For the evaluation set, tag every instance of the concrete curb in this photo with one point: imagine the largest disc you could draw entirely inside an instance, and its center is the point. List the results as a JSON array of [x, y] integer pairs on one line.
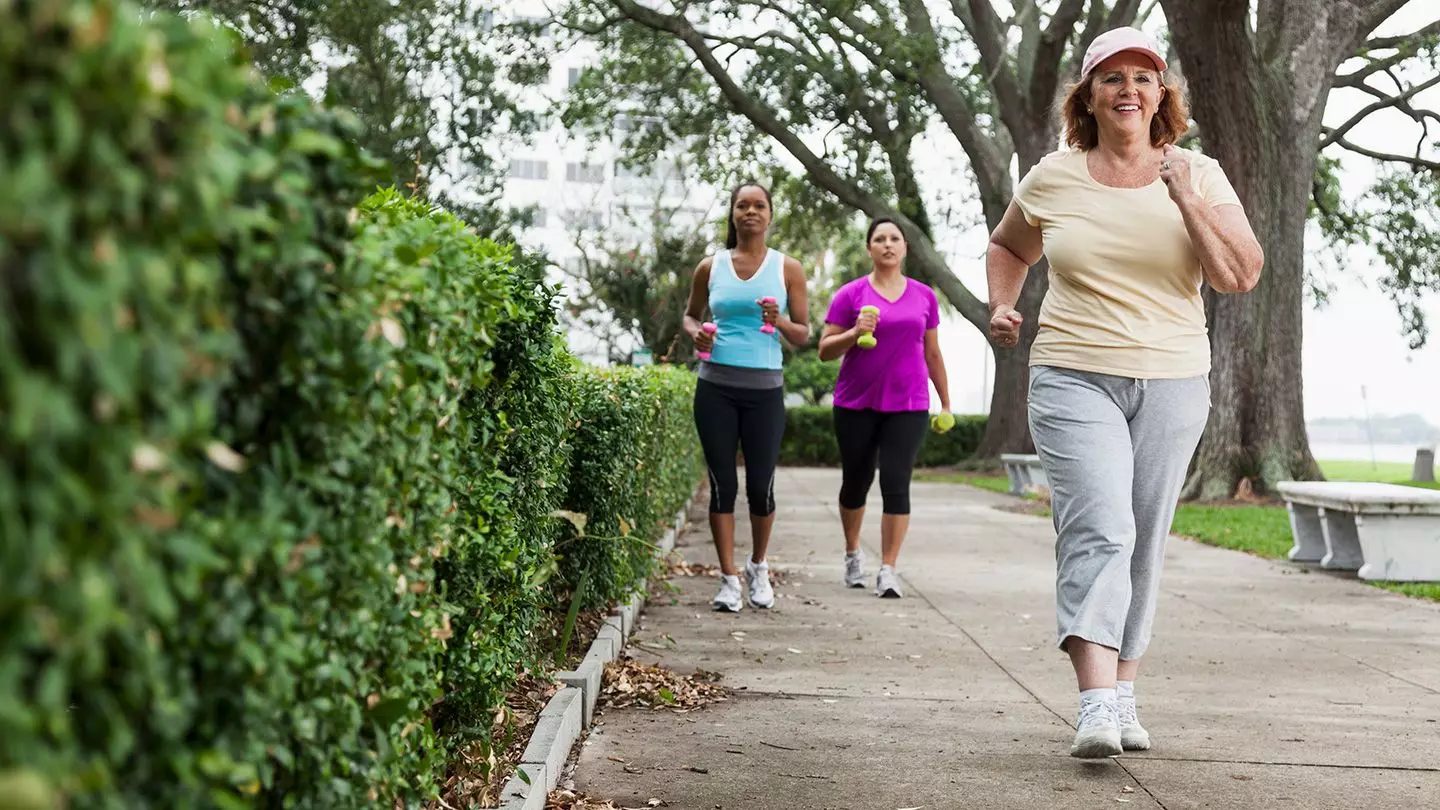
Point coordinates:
[[572, 709]]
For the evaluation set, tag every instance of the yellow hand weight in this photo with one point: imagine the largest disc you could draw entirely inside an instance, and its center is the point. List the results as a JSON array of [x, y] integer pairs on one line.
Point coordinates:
[[942, 422], [867, 340]]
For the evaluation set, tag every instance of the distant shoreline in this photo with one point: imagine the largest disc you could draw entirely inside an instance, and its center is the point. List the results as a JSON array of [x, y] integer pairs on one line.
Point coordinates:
[[1361, 451]]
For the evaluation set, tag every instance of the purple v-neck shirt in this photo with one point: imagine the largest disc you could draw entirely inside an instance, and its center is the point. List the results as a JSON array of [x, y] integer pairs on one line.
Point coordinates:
[[892, 376]]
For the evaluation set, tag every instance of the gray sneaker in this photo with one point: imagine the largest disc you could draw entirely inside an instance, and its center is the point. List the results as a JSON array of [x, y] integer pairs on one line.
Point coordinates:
[[728, 599], [855, 569], [887, 583], [1133, 736], [1097, 731]]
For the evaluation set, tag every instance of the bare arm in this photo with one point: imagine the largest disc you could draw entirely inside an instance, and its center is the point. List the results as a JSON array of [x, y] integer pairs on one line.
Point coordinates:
[[699, 299], [835, 341], [935, 362], [1230, 255], [796, 326], [1014, 247]]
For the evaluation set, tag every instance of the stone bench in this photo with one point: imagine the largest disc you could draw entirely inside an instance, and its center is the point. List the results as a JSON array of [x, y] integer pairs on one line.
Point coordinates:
[[1381, 531], [1025, 473]]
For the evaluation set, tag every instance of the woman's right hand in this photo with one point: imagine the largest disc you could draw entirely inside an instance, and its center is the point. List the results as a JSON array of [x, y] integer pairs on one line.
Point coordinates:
[[704, 341], [1005, 327], [866, 322]]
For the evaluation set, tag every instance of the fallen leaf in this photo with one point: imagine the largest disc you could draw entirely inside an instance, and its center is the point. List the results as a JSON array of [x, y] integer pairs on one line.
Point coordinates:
[[146, 458], [393, 332], [223, 457]]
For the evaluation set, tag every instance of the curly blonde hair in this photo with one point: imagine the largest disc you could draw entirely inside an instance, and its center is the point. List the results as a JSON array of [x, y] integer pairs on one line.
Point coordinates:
[[1171, 120]]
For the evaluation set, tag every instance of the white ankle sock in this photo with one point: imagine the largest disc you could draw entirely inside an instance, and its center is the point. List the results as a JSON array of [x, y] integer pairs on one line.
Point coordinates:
[[1092, 695], [1125, 690], [855, 553]]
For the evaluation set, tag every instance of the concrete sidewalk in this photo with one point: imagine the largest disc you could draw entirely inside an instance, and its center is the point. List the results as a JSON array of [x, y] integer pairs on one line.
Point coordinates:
[[1264, 687]]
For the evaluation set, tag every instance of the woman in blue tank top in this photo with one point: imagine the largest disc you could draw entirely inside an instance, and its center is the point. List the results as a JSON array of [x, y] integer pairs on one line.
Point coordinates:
[[755, 295]]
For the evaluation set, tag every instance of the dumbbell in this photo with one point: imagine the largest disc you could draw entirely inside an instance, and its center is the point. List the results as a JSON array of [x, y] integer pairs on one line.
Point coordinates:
[[710, 329], [767, 328], [867, 340], [942, 422]]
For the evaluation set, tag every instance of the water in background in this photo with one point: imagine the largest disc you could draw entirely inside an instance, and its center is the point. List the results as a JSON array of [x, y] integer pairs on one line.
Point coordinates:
[[1335, 451]]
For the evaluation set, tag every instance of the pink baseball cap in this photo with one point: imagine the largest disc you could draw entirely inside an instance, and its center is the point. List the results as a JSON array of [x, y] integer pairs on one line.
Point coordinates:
[[1119, 40]]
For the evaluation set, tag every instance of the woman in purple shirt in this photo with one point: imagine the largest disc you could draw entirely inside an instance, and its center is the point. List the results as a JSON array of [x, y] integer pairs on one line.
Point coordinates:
[[882, 397]]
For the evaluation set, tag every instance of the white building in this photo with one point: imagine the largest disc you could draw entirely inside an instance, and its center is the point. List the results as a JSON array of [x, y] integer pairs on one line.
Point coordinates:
[[583, 199]]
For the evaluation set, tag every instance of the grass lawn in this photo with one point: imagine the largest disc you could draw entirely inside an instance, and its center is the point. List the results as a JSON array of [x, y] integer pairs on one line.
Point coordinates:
[[1387, 472], [1260, 529], [994, 483]]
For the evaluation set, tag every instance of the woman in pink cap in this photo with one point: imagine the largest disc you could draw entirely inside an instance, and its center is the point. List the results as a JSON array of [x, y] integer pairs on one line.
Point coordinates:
[[1119, 395]]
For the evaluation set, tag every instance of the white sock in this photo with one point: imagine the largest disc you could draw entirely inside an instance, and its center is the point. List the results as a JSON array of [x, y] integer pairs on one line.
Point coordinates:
[[1093, 695], [1125, 690], [850, 554]]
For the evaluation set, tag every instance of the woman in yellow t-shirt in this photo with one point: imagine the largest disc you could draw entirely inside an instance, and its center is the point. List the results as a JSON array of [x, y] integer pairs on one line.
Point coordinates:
[[1132, 226]]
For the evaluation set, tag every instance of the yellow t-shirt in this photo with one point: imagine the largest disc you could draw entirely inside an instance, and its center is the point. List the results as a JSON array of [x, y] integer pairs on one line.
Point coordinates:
[[1125, 279]]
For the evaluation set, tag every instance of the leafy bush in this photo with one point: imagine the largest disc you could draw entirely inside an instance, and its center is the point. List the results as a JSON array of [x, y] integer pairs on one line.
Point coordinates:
[[277, 464], [810, 440], [810, 377], [636, 462]]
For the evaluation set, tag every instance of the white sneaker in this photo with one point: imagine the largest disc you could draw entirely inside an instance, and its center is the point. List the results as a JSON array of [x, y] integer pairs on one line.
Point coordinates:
[[757, 577], [1133, 736], [1097, 731], [728, 599], [887, 583], [855, 569]]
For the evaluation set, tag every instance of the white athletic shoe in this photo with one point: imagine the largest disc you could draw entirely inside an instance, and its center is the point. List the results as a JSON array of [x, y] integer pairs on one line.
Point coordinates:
[[1097, 731], [728, 599], [1133, 736], [757, 577], [887, 583], [855, 569]]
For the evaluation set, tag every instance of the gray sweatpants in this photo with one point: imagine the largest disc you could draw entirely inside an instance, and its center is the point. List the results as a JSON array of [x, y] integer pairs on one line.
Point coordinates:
[[1115, 451]]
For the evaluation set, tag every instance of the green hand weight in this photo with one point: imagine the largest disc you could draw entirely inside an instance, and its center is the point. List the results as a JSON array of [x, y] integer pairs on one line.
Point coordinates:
[[867, 340]]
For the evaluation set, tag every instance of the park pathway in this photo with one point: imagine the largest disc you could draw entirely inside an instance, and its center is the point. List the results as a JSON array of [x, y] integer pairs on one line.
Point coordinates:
[[1265, 687]]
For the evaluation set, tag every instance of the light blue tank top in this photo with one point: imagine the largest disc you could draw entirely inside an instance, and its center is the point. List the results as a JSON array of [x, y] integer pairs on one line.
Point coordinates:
[[739, 341]]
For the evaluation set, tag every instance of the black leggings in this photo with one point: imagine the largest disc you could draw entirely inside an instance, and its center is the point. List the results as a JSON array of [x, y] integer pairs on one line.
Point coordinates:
[[891, 438], [753, 420]]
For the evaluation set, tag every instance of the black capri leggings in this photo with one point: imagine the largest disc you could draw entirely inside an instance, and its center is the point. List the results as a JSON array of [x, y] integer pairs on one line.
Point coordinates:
[[891, 438], [750, 419]]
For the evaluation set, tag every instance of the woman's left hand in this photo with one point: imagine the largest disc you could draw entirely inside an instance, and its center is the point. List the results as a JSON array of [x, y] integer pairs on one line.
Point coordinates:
[[1175, 171]]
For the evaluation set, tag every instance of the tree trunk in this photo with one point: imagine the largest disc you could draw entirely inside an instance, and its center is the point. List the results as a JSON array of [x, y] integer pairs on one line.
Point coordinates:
[[1260, 117]]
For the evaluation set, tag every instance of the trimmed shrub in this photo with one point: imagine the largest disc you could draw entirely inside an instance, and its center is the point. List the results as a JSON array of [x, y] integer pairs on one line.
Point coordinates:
[[636, 462], [278, 463], [810, 440]]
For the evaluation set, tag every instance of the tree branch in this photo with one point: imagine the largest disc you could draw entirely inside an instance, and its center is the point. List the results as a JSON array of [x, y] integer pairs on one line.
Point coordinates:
[[1375, 12], [989, 36], [990, 163], [1416, 160], [1045, 71], [1397, 101], [847, 191], [1403, 40]]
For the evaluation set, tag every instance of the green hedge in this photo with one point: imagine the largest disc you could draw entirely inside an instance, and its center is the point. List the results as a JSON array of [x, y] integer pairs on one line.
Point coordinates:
[[810, 439], [279, 463]]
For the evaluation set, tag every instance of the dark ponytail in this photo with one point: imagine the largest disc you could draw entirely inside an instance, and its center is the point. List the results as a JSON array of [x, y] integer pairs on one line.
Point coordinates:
[[732, 238]]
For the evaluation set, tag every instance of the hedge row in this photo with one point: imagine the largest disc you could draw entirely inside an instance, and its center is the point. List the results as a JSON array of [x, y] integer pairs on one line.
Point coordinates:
[[810, 439], [279, 461]]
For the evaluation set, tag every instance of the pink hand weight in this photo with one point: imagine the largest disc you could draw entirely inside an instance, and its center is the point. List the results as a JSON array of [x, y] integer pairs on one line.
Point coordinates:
[[710, 329], [768, 328]]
